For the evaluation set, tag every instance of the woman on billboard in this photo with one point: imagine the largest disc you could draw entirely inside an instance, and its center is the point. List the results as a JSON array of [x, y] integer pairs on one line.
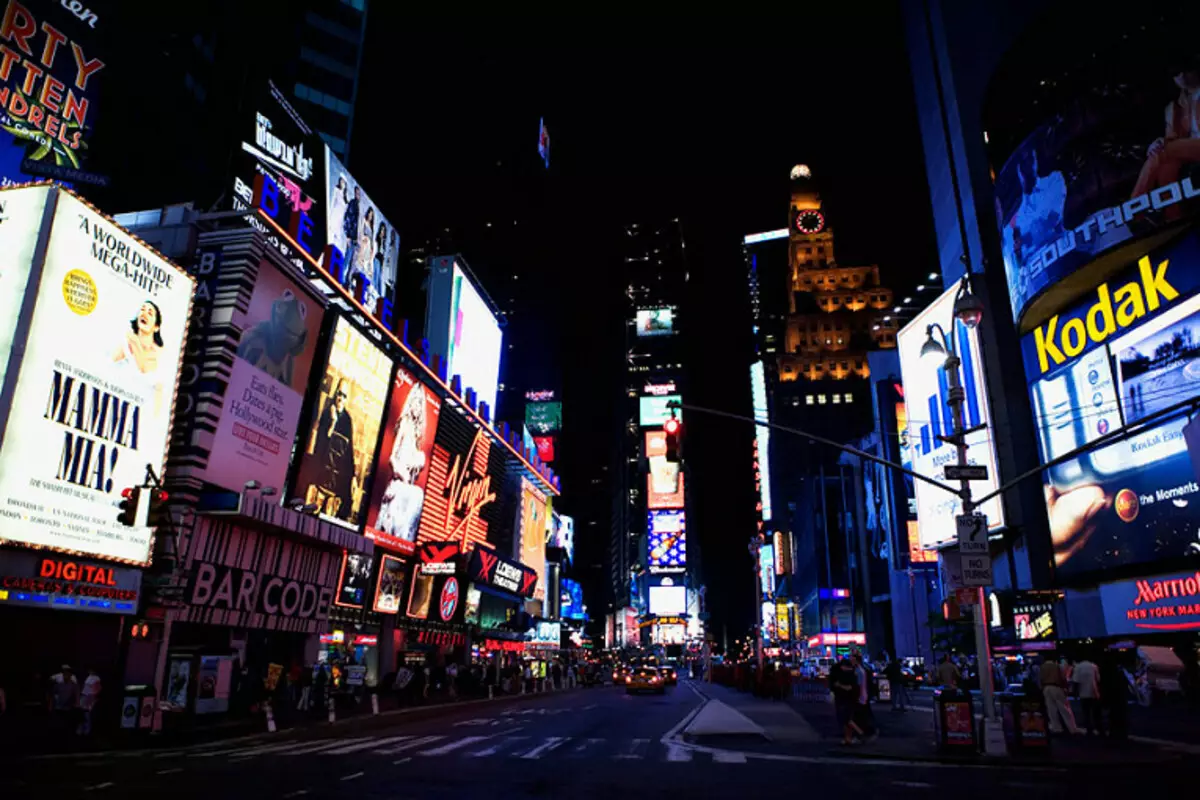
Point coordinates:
[[335, 451], [141, 348], [400, 508], [1180, 145]]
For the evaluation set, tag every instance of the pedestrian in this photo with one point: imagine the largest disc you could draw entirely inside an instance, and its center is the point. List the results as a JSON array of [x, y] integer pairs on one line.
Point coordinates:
[[304, 682], [844, 684], [895, 675], [862, 710], [88, 696], [319, 682], [452, 679], [948, 673], [1057, 709], [1115, 697], [1087, 678], [64, 697], [527, 676]]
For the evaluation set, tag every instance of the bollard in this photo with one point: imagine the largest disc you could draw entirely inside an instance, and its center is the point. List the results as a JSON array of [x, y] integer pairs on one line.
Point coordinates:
[[270, 717], [332, 713], [489, 691], [375, 704]]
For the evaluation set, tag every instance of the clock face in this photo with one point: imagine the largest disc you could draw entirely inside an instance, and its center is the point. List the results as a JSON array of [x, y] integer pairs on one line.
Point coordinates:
[[810, 221]]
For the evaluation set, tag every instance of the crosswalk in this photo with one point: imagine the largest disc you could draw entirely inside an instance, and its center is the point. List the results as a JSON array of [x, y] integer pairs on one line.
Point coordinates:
[[474, 747]]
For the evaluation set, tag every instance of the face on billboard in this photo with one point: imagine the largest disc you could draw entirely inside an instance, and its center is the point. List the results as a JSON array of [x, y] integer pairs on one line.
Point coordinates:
[[393, 580], [50, 90], [475, 340], [534, 524], [96, 387], [655, 321], [1123, 352], [926, 395], [369, 243], [356, 577], [667, 539], [337, 459], [653, 410], [543, 417], [398, 496], [280, 331], [664, 499]]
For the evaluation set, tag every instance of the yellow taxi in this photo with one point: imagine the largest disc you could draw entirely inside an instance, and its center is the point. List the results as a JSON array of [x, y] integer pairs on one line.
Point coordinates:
[[645, 679]]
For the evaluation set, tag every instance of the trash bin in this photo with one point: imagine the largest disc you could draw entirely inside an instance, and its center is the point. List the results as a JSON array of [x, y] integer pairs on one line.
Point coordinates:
[[885, 690], [1024, 720], [137, 707], [954, 721]]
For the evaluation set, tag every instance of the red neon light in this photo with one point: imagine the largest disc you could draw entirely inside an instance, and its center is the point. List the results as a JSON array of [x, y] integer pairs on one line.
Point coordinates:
[[396, 340], [1169, 626]]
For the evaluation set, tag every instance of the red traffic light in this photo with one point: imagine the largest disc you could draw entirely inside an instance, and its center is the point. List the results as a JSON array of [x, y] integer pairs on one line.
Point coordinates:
[[127, 492], [671, 425], [159, 496]]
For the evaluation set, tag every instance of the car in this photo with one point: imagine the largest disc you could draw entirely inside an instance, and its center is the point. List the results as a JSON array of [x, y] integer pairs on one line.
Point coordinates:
[[669, 675], [620, 673], [645, 679]]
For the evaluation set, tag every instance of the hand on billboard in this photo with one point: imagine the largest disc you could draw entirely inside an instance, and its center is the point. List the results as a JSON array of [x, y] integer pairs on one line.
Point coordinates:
[[1156, 147], [1072, 516]]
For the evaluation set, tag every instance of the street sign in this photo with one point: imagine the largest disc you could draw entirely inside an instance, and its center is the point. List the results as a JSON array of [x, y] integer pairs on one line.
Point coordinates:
[[966, 472], [972, 534], [976, 570]]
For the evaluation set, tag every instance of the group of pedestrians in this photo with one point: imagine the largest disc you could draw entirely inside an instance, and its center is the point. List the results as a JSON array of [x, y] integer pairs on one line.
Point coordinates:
[[850, 681]]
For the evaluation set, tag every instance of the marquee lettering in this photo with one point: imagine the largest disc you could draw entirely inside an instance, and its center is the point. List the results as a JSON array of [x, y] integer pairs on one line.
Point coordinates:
[[467, 495]]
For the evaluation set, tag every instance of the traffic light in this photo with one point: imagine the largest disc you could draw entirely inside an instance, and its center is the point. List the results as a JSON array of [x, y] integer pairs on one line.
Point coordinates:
[[129, 505], [158, 508], [673, 429]]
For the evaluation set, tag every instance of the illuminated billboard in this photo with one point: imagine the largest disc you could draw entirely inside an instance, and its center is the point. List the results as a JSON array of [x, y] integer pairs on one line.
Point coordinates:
[[460, 494], [666, 540], [354, 580], [762, 436], [462, 330], [766, 569], [280, 331], [1126, 351], [545, 448], [49, 87], [533, 527], [390, 588], [543, 417], [572, 600], [655, 321], [339, 456], [398, 495], [368, 242], [22, 213], [926, 397], [664, 499], [95, 378], [1158, 604], [653, 410], [668, 601], [563, 535]]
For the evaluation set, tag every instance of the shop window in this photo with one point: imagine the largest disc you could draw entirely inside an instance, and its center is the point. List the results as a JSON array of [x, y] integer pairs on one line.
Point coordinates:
[[849, 397], [808, 400]]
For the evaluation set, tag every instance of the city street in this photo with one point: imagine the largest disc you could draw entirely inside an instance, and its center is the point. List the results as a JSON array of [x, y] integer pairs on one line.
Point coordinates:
[[580, 744]]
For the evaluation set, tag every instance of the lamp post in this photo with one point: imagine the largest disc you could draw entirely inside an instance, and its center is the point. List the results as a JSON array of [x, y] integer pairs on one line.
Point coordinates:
[[968, 310]]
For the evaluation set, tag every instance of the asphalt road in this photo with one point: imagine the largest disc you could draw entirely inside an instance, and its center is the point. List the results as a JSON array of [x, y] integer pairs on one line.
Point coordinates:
[[594, 743]]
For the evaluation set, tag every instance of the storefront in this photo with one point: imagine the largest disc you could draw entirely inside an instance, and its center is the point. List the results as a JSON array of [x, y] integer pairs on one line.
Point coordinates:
[[430, 628]]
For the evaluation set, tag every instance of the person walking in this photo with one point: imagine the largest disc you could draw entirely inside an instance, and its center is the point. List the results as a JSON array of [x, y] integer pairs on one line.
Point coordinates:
[[862, 709], [1087, 678], [64, 697], [1053, 685], [895, 675], [948, 673], [452, 679], [844, 684], [87, 701]]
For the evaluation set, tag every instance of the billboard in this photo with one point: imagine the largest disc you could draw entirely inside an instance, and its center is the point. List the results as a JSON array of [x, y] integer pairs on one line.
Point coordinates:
[[1128, 350], [462, 330], [49, 87], [390, 588], [354, 580], [666, 498], [762, 437], [543, 417], [1159, 604], [571, 605], [93, 396], [666, 540], [563, 534], [279, 333], [338, 458], [668, 601], [489, 568], [653, 410], [545, 448], [766, 569], [655, 321], [21, 215], [544, 142], [398, 495], [533, 527], [1114, 163], [927, 410], [438, 598], [356, 226], [460, 494]]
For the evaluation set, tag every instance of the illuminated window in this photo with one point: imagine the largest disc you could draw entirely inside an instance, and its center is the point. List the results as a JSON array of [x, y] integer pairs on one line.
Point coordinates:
[[821, 399], [849, 397], [837, 398], [808, 400]]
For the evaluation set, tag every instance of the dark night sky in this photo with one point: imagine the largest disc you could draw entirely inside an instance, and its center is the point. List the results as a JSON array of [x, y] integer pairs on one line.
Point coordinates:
[[650, 118]]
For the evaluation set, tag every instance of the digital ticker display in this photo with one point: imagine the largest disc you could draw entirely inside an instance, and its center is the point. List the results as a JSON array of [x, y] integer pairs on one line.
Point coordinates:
[[667, 539]]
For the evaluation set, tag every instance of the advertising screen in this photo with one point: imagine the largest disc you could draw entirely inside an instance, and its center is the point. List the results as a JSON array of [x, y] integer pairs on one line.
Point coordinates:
[[572, 599], [545, 448], [356, 226], [1033, 622], [1161, 604], [487, 567], [666, 540], [461, 493], [338, 458], [534, 526], [762, 436], [926, 398], [543, 417], [95, 390], [393, 580], [656, 444], [666, 499], [50, 83], [438, 598], [782, 622], [653, 410], [655, 321], [280, 334], [21, 211], [1128, 350], [1112, 160], [398, 495], [462, 330], [564, 534], [545, 634], [354, 581], [668, 600], [766, 569]]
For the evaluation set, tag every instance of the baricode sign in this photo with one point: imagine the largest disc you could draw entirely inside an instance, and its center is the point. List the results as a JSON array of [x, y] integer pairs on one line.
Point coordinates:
[[221, 587]]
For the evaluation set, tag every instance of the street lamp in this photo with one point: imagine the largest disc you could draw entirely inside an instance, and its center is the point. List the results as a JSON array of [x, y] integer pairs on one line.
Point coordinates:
[[968, 310]]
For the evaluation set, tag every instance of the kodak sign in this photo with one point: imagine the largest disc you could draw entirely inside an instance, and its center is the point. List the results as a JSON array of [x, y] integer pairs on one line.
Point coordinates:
[[1113, 311]]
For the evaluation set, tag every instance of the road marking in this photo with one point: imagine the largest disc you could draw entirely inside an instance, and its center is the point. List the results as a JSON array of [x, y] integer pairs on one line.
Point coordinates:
[[353, 776], [545, 747], [677, 753], [584, 745], [296, 793], [350, 748], [450, 748], [300, 748], [635, 748], [400, 748], [105, 785], [169, 754], [171, 771], [913, 784], [593, 705], [728, 757], [404, 760], [496, 748]]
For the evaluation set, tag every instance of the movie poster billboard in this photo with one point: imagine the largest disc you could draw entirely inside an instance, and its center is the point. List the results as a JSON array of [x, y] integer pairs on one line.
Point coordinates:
[[21, 215], [354, 580], [339, 456], [1115, 161], [280, 330], [53, 74], [1127, 351], [398, 495], [533, 527], [356, 226], [95, 389]]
